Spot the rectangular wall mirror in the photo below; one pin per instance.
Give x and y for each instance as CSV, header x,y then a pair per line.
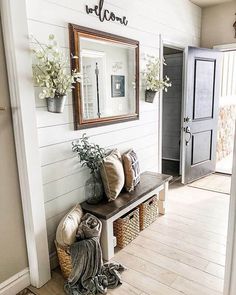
x,y
109,91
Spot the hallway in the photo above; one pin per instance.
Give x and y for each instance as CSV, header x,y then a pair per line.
x,y
183,252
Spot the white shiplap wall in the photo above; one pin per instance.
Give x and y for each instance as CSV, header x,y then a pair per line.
x,y
177,20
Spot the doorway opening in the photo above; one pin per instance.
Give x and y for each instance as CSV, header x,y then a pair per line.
x,y
227,114
171,118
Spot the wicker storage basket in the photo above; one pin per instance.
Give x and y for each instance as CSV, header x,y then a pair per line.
x,y
148,212
64,260
126,228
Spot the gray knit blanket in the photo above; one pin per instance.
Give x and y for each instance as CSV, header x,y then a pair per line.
x,y
89,275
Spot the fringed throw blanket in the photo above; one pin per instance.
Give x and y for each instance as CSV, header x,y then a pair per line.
x,y
89,275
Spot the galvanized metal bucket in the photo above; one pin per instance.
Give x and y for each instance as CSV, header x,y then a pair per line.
x,y
56,104
150,95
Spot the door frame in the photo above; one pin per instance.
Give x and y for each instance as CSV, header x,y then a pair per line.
x,y
230,265
167,43
225,48
19,68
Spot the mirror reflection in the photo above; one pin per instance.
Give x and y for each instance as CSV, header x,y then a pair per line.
x,y
108,86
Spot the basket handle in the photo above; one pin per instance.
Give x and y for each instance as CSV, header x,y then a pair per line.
x,y
150,203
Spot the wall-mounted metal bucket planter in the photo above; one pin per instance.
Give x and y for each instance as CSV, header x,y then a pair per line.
x,y
150,95
56,104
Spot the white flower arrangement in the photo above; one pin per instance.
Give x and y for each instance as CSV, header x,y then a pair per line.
x,y
50,70
152,76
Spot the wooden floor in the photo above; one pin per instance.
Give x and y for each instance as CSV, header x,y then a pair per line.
x,y
215,182
183,252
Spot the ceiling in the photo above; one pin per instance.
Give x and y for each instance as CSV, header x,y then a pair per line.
x,y
205,3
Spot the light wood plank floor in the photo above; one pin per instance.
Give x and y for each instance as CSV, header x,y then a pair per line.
x,y
215,182
183,252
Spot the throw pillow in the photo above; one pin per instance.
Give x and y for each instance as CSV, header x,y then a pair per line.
x,y
68,226
112,173
132,171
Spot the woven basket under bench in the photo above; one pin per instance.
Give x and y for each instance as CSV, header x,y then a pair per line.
x,y
148,212
65,261
126,228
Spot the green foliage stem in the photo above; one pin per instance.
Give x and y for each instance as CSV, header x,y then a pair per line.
x,y
90,154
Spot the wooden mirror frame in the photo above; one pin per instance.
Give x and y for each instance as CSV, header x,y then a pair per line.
x,y
75,32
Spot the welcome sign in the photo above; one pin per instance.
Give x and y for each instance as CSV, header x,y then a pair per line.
x,y
105,14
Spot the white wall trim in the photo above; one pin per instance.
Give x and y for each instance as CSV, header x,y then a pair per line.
x,y
225,47
160,110
19,68
230,267
183,112
16,283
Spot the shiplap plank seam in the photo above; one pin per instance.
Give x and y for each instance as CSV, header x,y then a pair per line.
x,y
105,146
92,135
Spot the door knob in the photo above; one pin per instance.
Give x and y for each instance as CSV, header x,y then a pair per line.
x,y
188,131
2,109
187,119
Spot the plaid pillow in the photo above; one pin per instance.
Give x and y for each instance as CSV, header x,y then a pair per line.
x,y
132,171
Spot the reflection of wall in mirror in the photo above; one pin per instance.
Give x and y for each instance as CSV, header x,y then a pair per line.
x,y
132,77
123,58
90,60
87,90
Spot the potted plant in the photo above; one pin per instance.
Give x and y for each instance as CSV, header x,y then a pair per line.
x,y
91,156
50,72
153,81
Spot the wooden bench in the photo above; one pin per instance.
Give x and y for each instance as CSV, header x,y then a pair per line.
x,y
150,184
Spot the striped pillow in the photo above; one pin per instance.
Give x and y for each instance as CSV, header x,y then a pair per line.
x,y
132,171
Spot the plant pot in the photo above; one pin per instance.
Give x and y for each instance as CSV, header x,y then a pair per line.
x,y
94,191
150,95
56,104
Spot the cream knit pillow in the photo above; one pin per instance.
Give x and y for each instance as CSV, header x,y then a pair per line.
x,y
67,228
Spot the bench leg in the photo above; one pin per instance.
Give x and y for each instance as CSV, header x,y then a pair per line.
x,y
162,199
107,240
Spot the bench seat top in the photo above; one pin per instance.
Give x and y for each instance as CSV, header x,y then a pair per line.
x,y
149,181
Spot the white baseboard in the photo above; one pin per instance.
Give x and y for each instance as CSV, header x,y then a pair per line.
x,y
16,283
54,263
